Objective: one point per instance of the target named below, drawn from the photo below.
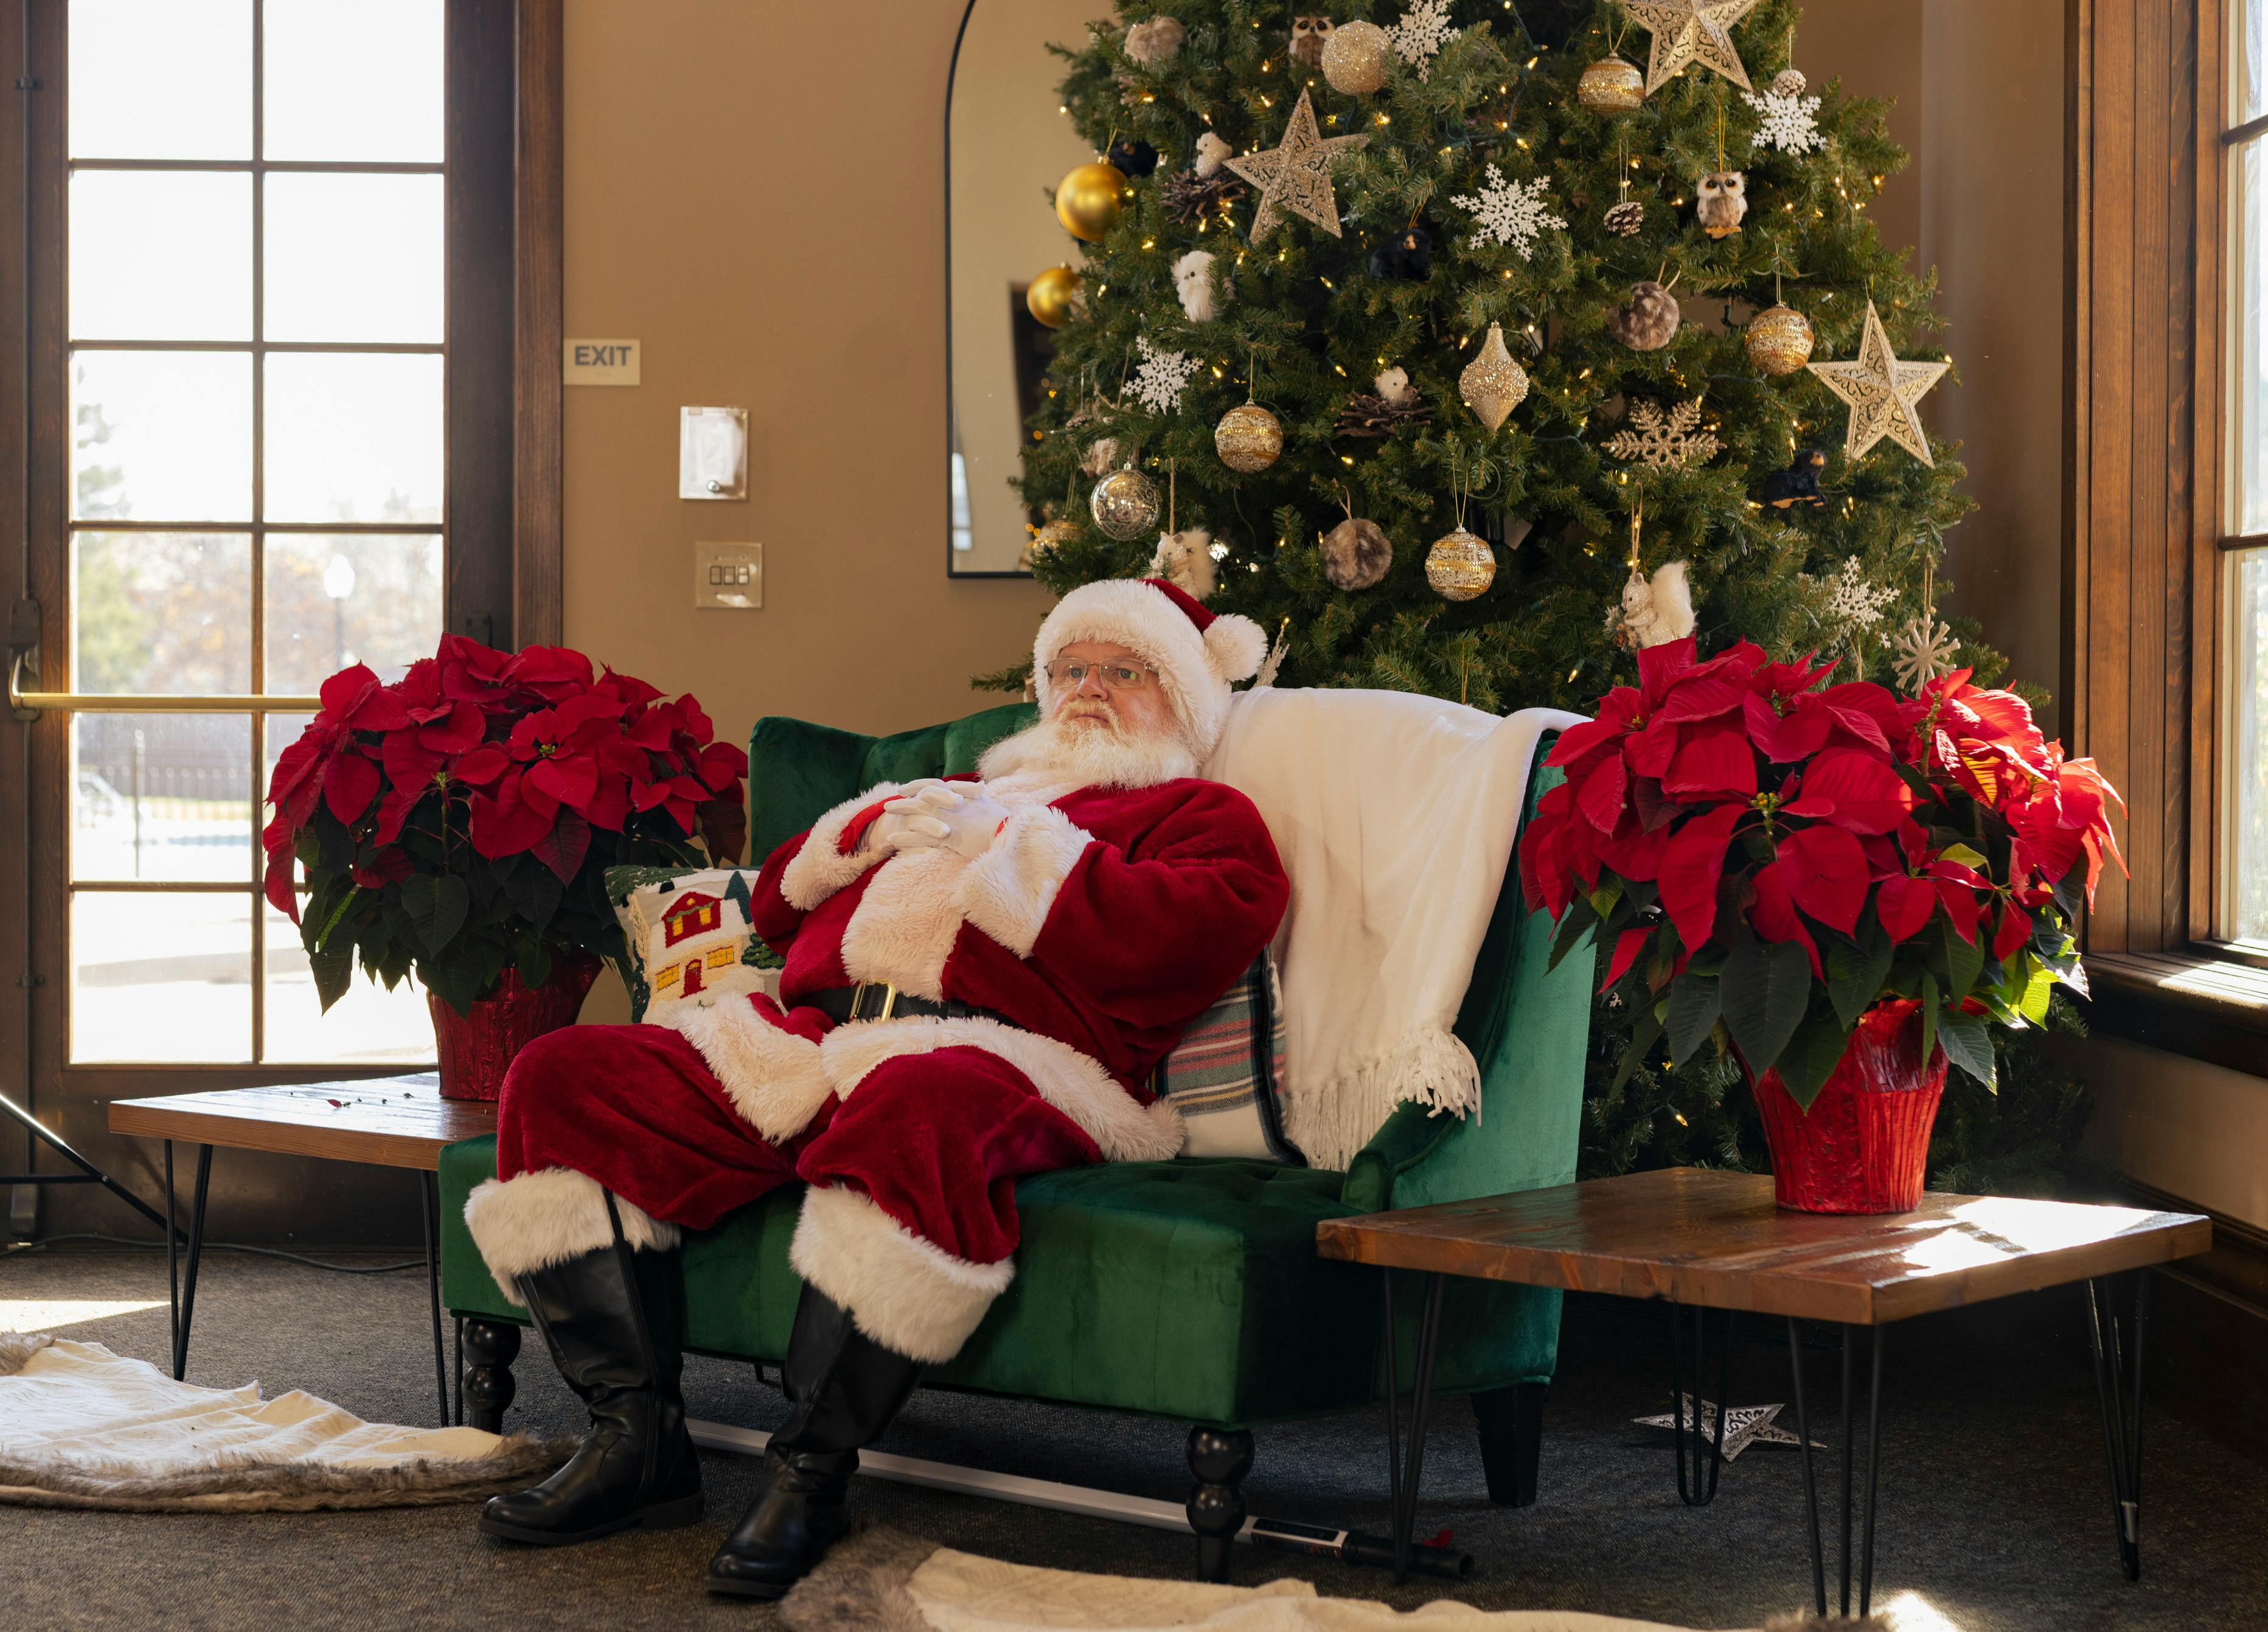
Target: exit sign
(602, 362)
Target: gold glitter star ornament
(1296, 173)
(1690, 31)
(1882, 393)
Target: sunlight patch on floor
(1911, 1612)
(50, 1314)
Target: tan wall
(755, 192)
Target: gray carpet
(1994, 1506)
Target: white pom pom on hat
(1197, 652)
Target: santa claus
(981, 975)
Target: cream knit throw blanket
(1395, 816)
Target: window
(257, 414)
(2243, 911)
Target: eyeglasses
(1070, 674)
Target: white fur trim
(1235, 646)
(536, 1220)
(821, 869)
(1125, 1129)
(1136, 615)
(906, 923)
(774, 1076)
(907, 1294)
(1009, 890)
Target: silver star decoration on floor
(1296, 173)
(1744, 1426)
(1882, 393)
(1690, 31)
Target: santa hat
(1196, 652)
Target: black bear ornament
(1409, 254)
(1134, 158)
(1798, 484)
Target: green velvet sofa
(1189, 1289)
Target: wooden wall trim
(540, 326)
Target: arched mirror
(1007, 143)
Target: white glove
(894, 820)
(942, 816)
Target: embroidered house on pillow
(689, 937)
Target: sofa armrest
(1403, 1141)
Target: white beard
(1057, 753)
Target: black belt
(878, 999)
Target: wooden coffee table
(397, 1121)
(1706, 1240)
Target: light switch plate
(728, 577)
(712, 453)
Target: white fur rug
(81, 1427)
(884, 1581)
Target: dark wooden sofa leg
(491, 1346)
(1512, 1440)
(1220, 1459)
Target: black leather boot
(844, 1389)
(613, 1321)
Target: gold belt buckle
(858, 999)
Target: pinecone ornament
(1626, 219)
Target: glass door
(256, 354)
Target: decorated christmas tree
(1471, 346)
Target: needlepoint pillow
(1226, 1076)
(688, 934)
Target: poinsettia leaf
(1969, 1045)
(1812, 1055)
(1964, 961)
(1573, 927)
(563, 848)
(1644, 1035)
(1928, 1019)
(2039, 985)
(533, 962)
(1693, 1013)
(1765, 991)
(334, 971)
(437, 904)
(1855, 973)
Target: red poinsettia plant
(460, 821)
(1766, 856)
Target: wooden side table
(400, 1121)
(1714, 1240)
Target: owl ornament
(1720, 199)
(1309, 35)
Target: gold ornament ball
(1248, 438)
(1057, 532)
(1050, 296)
(1493, 384)
(1355, 57)
(1124, 504)
(1460, 565)
(1779, 340)
(1611, 86)
(1088, 200)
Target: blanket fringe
(1429, 1065)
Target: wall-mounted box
(712, 453)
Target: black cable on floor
(222, 1246)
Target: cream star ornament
(1690, 31)
(1882, 392)
(1296, 173)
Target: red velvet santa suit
(1097, 924)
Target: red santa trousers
(910, 1221)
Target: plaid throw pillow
(688, 934)
(1225, 1076)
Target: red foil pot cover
(476, 1049)
(1864, 1144)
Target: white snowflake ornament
(1424, 28)
(1853, 604)
(1162, 377)
(1510, 212)
(1789, 120)
(1925, 650)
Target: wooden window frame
(503, 514)
(2144, 559)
